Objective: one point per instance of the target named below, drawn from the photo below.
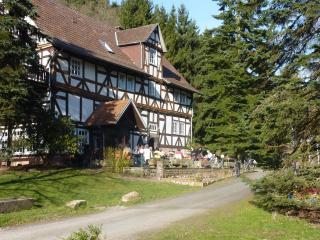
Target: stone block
(132, 196)
(13, 205)
(76, 203)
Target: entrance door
(97, 143)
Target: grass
(239, 221)
(53, 188)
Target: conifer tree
(288, 116)
(20, 101)
(228, 86)
(135, 13)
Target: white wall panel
(104, 91)
(111, 93)
(120, 94)
(169, 140)
(168, 124)
(91, 86)
(131, 96)
(74, 82)
(187, 129)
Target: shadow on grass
(52, 186)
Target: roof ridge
(143, 26)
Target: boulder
(76, 203)
(11, 205)
(132, 196)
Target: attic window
(106, 46)
(153, 57)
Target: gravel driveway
(125, 223)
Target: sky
(200, 10)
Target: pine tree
(135, 13)
(288, 116)
(228, 86)
(187, 44)
(20, 101)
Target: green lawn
(239, 221)
(52, 189)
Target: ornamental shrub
(284, 190)
(90, 233)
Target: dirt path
(125, 223)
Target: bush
(90, 233)
(115, 159)
(283, 190)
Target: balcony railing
(42, 77)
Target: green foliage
(238, 220)
(101, 10)
(222, 111)
(115, 159)
(90, 233)
(272, 191)
(287, 117)
(53, 188)
(20, 101)
(135, 13)
(53, 135)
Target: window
(176, 96)
(122, 81)
(75, 67)
(153, 56)
(175, 127)
(153, 127)
(130, 84)
(152, 88)
(183, 98)
(182, 128)
(83, 135)
(178, 128)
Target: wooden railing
(42, 77)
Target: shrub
(283, 190)
(115, 159)
(90, 233)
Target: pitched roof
(135, 35)
(109, 113)
(76, 32)
(172, 76)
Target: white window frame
(182, 128)
(153, 57)
(75, 67)
(153, 127)
(175, 127)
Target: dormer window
(75, 67)
(153, 56)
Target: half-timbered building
(116, 85)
